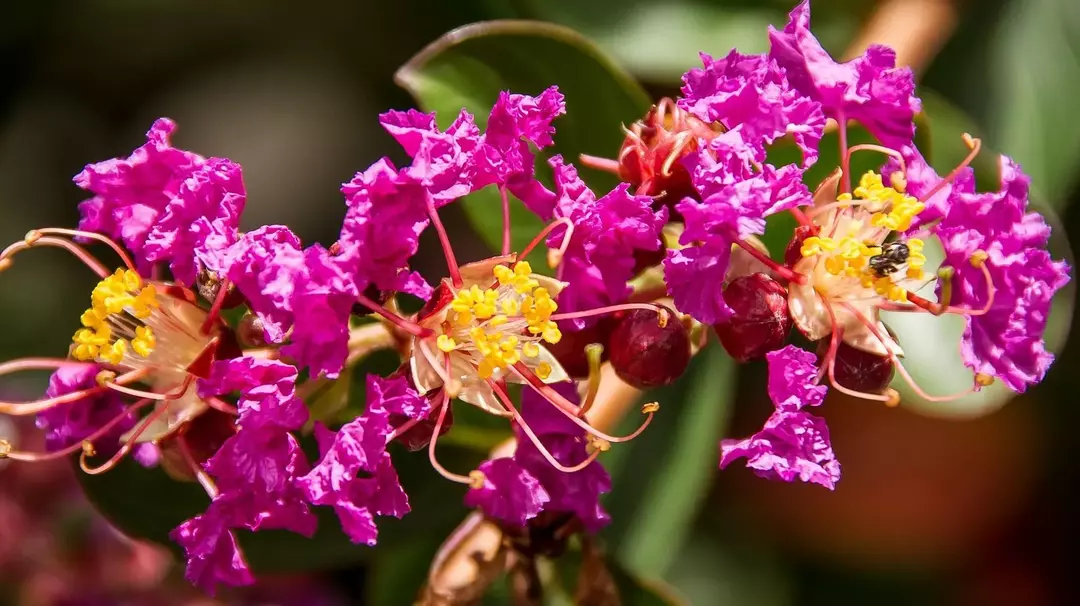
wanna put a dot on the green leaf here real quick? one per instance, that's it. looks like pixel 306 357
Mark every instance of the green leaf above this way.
pixel 468 67
pixel 662 476
pixel 1036 59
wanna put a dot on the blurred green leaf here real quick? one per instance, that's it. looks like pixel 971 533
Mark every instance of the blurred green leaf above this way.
pixel 468 67
pixel 1036 55
pixel 662 476
pixel 672 499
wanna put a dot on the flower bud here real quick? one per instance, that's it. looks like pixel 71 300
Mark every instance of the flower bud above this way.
pixel 760 322
pixel 649 349
pixel 650 157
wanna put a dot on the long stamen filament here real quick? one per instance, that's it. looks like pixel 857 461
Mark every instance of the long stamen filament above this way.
pixel 408 326
pixel 138 393
pixel 974 145
pixel 554 256
pixel 599 311
pixel 593 353
pixel 81 444
pixel 570 411
pixel 200 474
pixel 126 448
pixel 19 409
pixel 845 160
pixel 78 233
pixel 834 344
pixel 401 429
pixel 444 240
pixel 780 270
pixel 596 163
pixel 33 240
pixel 883 150
pixel 453 477
pixel 544 452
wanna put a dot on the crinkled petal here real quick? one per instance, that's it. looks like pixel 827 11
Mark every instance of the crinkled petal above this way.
pixel 869 88
pixel 267 391
pixel 322 303
pixel 394 396
pixel 1007 341
pixel 793 381
pixel 515 122
pixel 443 162
pixel 200 219
pixel 751 92
pixel 213 556
pixel 264 265
pixel 69 424
pixel 509 492
pixel 578 492
pixel 386 214
pixel 131 194
pixel 792 445
pixel 695 278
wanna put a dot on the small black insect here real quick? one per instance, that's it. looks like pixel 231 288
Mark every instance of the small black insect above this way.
pixel 893 255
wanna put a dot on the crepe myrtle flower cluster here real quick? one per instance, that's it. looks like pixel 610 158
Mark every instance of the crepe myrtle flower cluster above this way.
pixel 156 372
pixel 859 246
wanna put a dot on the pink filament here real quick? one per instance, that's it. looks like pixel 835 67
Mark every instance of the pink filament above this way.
pixel 535 440
pixel 444 240
pixel 540 237
pixel 76 447
pixel 78 233
pixel 126 448
pixel 845 166
pixel 780 270
pixel 79 252
pixel 604 164
pixel 570 411
pixel 505 221
pixel 449 475
pixel 200 474
pixel 408 326
pixel 607 310
pixel 976 145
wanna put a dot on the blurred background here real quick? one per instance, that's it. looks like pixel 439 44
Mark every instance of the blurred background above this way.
pixel 969 505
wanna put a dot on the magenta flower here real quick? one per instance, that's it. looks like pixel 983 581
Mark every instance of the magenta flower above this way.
pixel 997 230
pixel 752 94
pixel 264 265
pixel 355 475
pixel 515 122
pixel 736 199
pixel 199 221
pixel 869 88
pixel 387 211
pixel 793 444
pixel 165 204
pixel 507 492
pixel 322 304
pixel 443 162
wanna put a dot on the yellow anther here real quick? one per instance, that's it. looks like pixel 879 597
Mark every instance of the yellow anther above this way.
pixel 104 377
pixel 115 352
pixel 530 350
pixel 815 245
pixel 968 140
pixel 509 344
pixel 554 257
pixel 503 274
pixel 894 398
pixel 32 236
pixel 498 320
pixel 477 479
pixel 485 369
pixel 898 181
pixel 551 333
pixel 651 407
pixel 983 380
pixel 511 307
pixel 523 268
pixel 88 448
pixel 598 444
pixel 978 258
pixel 543 370
pixel 5 448
pixel 145 302
pixel 5 263
pixel 144 341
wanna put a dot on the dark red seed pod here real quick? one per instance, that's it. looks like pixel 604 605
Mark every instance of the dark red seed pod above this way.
pixel 859 370
pixel 793 252
pixel 761 321
pixel 250 331
pixel 570 350
pixel 648 352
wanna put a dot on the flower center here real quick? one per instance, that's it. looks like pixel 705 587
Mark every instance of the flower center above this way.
pixel 854 257
pixel 130 323
pixel 499 326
